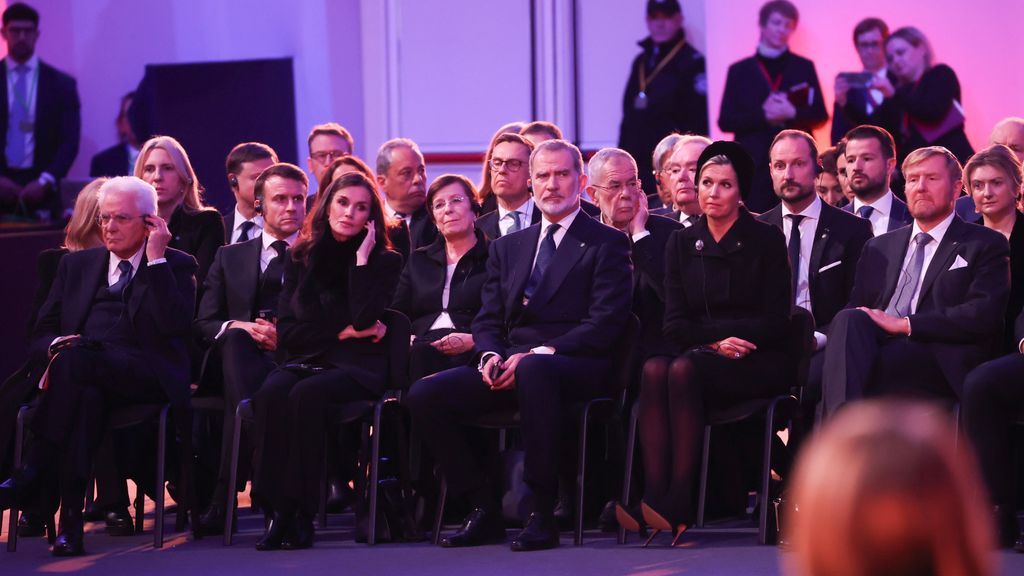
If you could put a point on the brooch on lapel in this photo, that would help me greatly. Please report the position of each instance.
(698, 245)
(824, 234)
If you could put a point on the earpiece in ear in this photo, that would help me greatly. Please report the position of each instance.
(258, 207)
(234, 182)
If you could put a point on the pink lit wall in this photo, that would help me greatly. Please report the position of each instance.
(980, 40)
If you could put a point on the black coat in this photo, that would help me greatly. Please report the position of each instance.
(488, 223)
(677, 101)
(111, 162)
(1014, 322)
(199, 234)
(739, 287)
(421, 232)
(314, 308)
(421, 285)
(961, 308)
(928, 101)
(231, 288)
(649, 283)
(579, 308)
(886, 115)
(746, 89)
(838, 241)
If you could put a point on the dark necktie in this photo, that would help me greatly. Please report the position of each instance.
(247, 227)
(117, 288)
(547, 251)
(275, 268)
(865, 212)
(909, 279)
(794, 249)
(517, 223)
(690, 221)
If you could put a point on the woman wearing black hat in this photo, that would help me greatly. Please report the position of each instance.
(727, 303)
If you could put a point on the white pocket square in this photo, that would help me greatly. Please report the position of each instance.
(958, 263)
(830, 266)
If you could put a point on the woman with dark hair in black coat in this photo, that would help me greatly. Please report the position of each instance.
(339, 280)
(727, 306)
(441, 283)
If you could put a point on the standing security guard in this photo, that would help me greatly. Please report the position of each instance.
(666, 92)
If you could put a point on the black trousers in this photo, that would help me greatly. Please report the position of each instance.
(84, 384)
(546, 385)
(291, 420)
(993, 397)
(425, 360)
(861, 360)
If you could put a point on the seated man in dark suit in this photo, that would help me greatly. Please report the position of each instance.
(402, 176)
(554, 303)
(120, 316)
(870, 155)
(239, 306)
(119, 159)
(510, 174)
(824, 243)
(244, 164)
(928, 300)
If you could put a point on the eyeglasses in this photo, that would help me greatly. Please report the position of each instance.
(617, 187)
(103, 220)
(327, 156)
(512, 164)
(454, 202)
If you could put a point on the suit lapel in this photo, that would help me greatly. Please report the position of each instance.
(536, 215)
(895, 264)
(249, 271)
(822, 236)
(523, 249)
(80, 301)
(137, 287)
(568, 253)
(945, 252)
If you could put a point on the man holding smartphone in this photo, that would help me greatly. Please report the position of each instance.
(238, 311)
(864, 97)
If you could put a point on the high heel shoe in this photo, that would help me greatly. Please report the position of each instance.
(631, 519)
(658, 523)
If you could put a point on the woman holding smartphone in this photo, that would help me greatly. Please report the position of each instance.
(341, 276)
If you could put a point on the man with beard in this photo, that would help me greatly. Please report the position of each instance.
(870, 160)
(824, 242)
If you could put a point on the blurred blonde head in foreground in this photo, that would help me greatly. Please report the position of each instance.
(884, 490)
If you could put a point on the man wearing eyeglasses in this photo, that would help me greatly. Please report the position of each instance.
(510, 176)
(327, 142)
(40, 118)
(866, 98)
(115, 326)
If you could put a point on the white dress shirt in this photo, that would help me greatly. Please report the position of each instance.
(880, 215)
(266, 255)
(394, 215)
(443, 320)
(876, 96)
(506, 220)
(257, 220)
(929, 252)
(808, 227)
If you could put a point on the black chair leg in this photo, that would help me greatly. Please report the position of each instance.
(442, 496)
(581, 471)
(766, 474)
(19, 441)
(702, 497)
(161, 455)
(627, 476)
(322, 506)
(236, 439)
(140, 508)
(374, 463)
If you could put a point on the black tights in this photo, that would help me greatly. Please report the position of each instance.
(671, 425)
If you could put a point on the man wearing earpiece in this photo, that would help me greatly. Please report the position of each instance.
(244, 164)
(238, 309)
(824, 242)
(115, 325)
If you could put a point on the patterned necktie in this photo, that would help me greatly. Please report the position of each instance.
(794, 249)
(547, 251)
(18, 120)
(517, 223)
(910, 279)
(865, 212)
(247, 227)
(117, 288)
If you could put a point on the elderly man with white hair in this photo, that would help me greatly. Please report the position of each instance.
(115, 326)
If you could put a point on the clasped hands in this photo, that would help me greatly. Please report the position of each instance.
(733, 348)
(778, 109)
(504, 371)
(263, 332)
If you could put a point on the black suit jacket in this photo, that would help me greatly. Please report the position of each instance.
(229, 225)
(58, 125)
(161, 303)
(581, 305)
(960, 312)
(649, 283)
(111, 162)
(899, 214)
(740, 286)
(199, 234)
(421, 232)
(488, 223)
(230, 289)
(311, 314)
(838, 241)
(421, 285)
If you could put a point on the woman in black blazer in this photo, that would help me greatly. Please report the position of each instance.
(196, 229)
(340, 277)
(441, 284)
(727, 303)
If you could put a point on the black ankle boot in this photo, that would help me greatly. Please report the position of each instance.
(277, 529)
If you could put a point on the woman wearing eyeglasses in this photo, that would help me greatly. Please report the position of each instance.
(441, 284)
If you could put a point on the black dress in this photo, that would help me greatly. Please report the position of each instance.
(199, 234)
(318, 301)
(928, 102)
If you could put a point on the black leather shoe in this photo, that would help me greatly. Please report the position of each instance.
(301, 534)
(540, 533)
(94, 513)
(607, 522)
(119, 523)
(563, 513)
(276, 531)
(69, 540)
(479, 527)
(211, 521)
(31, 525)
(339, 497)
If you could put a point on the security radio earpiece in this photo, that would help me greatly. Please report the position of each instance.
(234, 182)
(258, 206)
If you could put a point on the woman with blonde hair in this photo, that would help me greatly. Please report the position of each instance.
(885, 489)
(195, 228)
